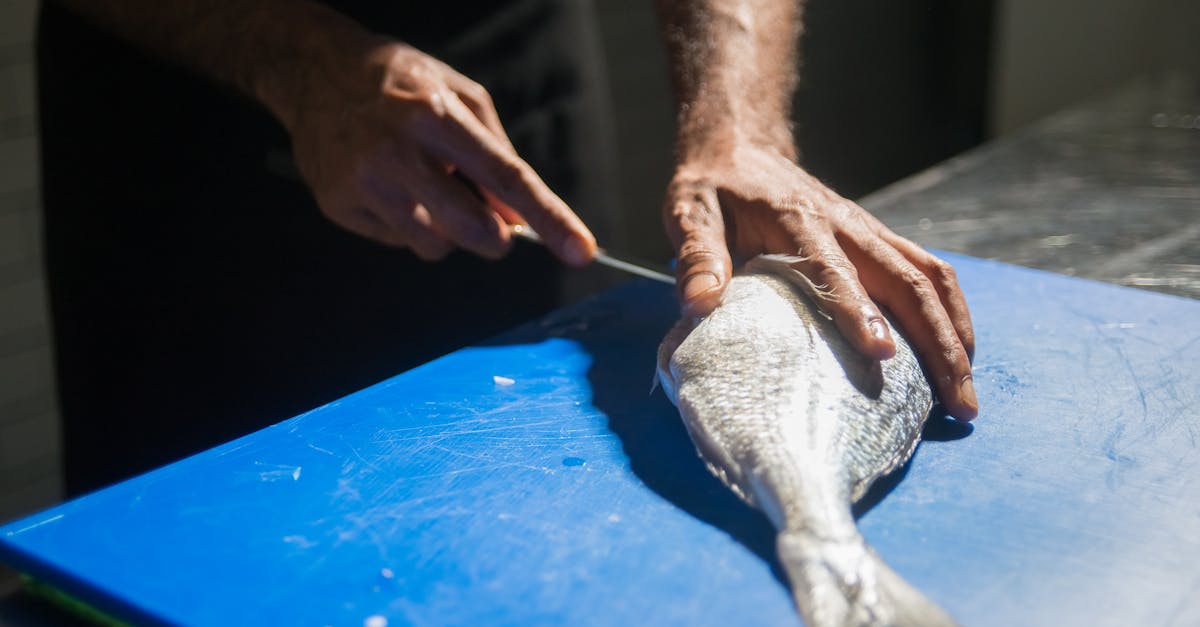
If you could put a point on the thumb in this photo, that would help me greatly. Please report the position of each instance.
(697, 229)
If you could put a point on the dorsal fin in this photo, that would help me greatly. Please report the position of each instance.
(784, 267)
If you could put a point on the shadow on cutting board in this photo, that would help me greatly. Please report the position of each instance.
(623, 346)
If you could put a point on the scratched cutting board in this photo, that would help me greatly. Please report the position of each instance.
(572, 495)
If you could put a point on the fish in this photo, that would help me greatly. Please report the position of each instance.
(796, 422)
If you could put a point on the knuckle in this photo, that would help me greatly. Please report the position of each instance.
(683, 210)
(478, 93)
(943, 273)
(690, 186)
(431, 103)
(830, 268)
(851, 211)
(405, 72)
(955, 356)
(693, 253)
(692, 210)
(877, 248)
(408, 71)
(420, 103)
(683, 184)
(946, 356)
(509, 177)
(916, 282)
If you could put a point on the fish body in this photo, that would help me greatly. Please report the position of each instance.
(796, 422)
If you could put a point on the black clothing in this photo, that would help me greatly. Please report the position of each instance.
(197, 293)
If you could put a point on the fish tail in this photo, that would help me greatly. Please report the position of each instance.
(842, 583)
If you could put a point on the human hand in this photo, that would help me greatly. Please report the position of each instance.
(748, 200)
(400, 148)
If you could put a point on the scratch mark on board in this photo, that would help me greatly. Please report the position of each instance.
(277, 472)
(319, 449)
(36, 525)
(300, 541)
(1120, 462)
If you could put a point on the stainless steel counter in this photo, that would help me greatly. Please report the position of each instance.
(1107, 190)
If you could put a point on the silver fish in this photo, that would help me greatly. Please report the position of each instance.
(797, 423)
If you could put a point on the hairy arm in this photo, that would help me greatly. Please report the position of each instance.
(395, 145)
(734, 71)
(738, 191)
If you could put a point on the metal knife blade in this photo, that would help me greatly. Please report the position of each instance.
(602, 257)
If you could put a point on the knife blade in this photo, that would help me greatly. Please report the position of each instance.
(603, 257)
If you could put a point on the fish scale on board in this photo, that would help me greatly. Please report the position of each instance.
(796, 422)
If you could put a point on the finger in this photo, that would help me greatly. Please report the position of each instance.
(479, 101)
(696, 227)
(423, 241)
(428, 242)
(406, 223)
(481, 105)
(506, 213)
(458, 137)
(842, 295)
(462, 214)
(944, 280)
(912, 298)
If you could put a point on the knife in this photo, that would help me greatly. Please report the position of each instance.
(602, 257)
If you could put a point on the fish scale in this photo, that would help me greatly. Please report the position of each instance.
(799, 424)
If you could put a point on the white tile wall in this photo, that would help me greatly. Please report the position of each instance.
(30, 478)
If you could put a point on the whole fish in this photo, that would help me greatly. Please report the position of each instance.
(796, 422)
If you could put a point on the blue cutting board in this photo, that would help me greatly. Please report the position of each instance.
(446, 496)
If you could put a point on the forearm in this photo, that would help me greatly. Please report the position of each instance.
(267, 49)
(734, 70)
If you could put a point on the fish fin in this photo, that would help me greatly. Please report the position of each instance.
(666, 350)
(653, 382)
(730, 480)
(841, 581)
(715, 457)
(784, 266)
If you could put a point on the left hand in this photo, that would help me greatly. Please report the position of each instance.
(745, 200)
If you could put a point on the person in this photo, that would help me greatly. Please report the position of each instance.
(194, 297)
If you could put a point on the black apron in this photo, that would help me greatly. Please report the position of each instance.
(197, 293)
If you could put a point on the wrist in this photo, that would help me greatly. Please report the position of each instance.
(318, 61)
(704, 135)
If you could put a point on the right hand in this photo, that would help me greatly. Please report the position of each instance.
(739, 199)
(399, 148)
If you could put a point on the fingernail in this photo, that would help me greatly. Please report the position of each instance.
(878, 330)
(577, 252)
(967, 388)
(698, 284)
